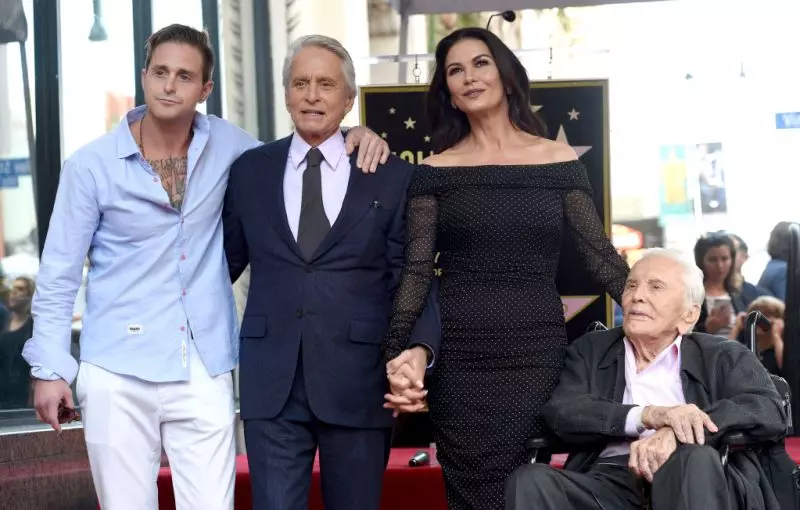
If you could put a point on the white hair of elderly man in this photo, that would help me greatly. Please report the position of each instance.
(692, 275)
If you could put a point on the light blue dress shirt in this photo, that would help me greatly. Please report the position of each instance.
(158, 277)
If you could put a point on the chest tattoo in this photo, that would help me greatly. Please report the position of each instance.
(172, 172)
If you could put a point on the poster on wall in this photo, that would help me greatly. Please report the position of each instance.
(675, 197)
(575, 112)
(709, 163)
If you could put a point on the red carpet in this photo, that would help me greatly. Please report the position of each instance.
(404, 487)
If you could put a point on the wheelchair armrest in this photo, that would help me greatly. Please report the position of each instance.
(744, 441)
(539, 443)
(736, 440)
(541, 448)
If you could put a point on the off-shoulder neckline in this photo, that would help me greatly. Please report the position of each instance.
(510, 166)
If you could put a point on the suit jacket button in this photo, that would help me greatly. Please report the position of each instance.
(299, 313)
(309, 269)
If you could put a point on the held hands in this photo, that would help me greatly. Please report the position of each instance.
(687, 422)
(406, 375)
(50, 398)
(372, 149)
(649, 454)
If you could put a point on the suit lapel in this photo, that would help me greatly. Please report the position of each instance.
(276, 157)
(357, 202)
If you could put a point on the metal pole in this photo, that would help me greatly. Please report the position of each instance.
(211, 24)
(403, 47)
(265, 87)
(48, 113)
(26, 86)
(142, 28)
(791, 331)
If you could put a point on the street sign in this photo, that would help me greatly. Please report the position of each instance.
(787, 120)
(9, 182)
(16, 166)
(11, 169)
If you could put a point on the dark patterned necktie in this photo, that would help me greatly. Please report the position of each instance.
(314, 224)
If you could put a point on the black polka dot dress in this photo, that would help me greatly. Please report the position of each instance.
(498, 232)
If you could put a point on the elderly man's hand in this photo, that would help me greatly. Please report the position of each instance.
(686, 421)
(406, 375)
(372, 149)
(649, 454)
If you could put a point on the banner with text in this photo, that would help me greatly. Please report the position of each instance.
(575, 112)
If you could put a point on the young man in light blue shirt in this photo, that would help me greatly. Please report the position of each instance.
(159, 338)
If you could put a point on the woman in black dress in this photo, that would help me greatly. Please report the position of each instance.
(494, 201)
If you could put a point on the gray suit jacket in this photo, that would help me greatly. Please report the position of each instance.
(721, 377)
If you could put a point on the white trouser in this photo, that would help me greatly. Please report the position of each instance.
(126, 421)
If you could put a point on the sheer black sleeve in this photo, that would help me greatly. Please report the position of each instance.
(606, 266)
(415, 282)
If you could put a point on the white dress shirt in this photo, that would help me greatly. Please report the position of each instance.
(657, 385)
(334, 170)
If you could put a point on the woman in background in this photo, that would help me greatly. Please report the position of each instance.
(774, 276)
(495, 202)
(715, 255)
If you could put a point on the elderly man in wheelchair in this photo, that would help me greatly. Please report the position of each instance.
(651, 412)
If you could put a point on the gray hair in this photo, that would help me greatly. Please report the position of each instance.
(326, 43)
(692, 275)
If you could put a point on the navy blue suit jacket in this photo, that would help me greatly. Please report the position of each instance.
(339, 303)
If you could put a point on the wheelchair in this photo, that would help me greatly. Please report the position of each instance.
(541, 448)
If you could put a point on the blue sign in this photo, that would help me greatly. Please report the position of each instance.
(14, 167)
(8, 181)
(11, 169)
(787, 120)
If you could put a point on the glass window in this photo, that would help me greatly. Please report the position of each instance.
(19, 253)
(97, 76)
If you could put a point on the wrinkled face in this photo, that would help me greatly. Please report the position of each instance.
(654, 301)
(317, 96)
(173, 82)
(717, 264)
(473, 79)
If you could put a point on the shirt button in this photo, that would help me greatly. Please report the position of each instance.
(184, 292)
(183, 257)
(155, 179)
(183, 328)
(181, 221)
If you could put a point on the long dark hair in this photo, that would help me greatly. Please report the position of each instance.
(449, 125)
(704, 245)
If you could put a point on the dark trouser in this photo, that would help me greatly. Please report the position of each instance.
(281, 451)
(691, 479)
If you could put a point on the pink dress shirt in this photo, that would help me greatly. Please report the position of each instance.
(657, 385)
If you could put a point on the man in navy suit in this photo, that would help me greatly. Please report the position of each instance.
(326, 244)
